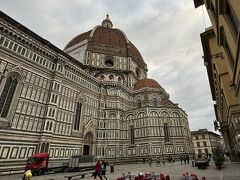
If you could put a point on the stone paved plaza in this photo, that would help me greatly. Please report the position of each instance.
(231, 171)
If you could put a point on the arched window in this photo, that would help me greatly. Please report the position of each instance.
(7, 95)
(50, 127)
(166, 132)
(43, 147)
(47, 125)
(77, 116)
(132, 139)
(47, 147)
(155, 104)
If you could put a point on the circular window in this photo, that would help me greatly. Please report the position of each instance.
(111, 77)
(109, 63)
(102, 77)
(119, 79)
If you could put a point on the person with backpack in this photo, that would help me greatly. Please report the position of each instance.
(98, 170)
(103, 169)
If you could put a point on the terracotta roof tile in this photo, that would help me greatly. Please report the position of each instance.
(78, 39)
(146, 83)
(107, 36)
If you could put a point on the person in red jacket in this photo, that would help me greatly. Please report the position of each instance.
(98, 170)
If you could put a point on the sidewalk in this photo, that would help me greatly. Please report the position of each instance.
(231, 171)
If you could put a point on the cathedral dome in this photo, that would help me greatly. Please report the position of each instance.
(106, 35)
(146, 83)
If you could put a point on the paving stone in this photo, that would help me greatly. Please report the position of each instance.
(230, 171)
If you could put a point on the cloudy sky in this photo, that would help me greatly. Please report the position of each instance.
(166, 32)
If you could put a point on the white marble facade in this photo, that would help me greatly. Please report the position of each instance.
(79, 101)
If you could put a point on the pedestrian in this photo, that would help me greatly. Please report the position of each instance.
(98, 170)
(150, 161)
(27, 175)
(171, 159)
(184, 158)
(158, 162)
(187, 159)
(181, 158)
(163, 162)
(103, 169)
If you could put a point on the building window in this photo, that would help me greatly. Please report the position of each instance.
(204, 143)
(78, 116)
(206, 151)
(139, 103)
(196, 137)
(198, 144)
(199, 151)
(166, 132)
(138, 72)
(212, 9)
(109, 63)
(155, 103)
(132, 141)
(232, 19)
(7, 95)
(203, 136)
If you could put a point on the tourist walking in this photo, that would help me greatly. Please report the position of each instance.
(98, 170)
(185, 159)
(163, 162)
(103, 169)
(181, 158)
(171, 159)
(158, 161)
(150, 161)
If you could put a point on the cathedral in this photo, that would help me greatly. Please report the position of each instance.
(91, 98)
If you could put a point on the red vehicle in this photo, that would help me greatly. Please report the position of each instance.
(39, 163)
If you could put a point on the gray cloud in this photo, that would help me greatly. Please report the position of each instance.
(166, 32)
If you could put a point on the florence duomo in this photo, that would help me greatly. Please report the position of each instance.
(91, 98)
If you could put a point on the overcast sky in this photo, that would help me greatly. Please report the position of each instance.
(166, 32)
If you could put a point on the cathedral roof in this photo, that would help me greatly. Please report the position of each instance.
(146, 83)
(106, 35)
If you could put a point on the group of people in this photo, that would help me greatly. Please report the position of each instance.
(185, 159)
(100, 170)
(158, 160)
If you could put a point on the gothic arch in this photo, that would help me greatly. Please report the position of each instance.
(164, 114)
(130, 117)
(10, 89)
(174, 114)
(151, 97)
(112, 115)
(154, 113)
(88, 143)
(112, 92)
(141, 114)
(138, 98)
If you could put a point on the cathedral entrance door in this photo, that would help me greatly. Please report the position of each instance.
(88, 144)
(86, 150)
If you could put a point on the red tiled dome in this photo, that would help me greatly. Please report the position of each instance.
(107, 36)
(146, 83)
